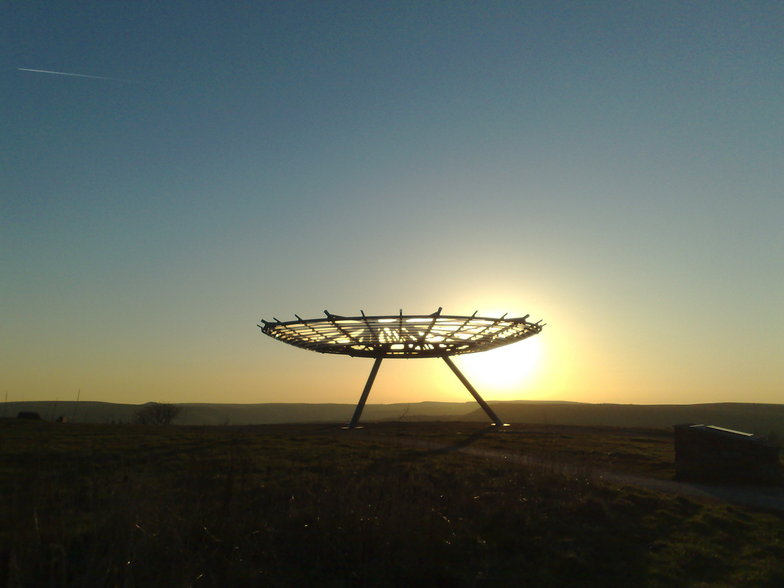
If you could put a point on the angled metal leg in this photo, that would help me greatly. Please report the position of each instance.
(365, 393)
(486, 407)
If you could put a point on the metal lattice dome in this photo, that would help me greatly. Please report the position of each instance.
(401, 336)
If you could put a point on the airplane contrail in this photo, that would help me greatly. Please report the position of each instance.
(74, 75)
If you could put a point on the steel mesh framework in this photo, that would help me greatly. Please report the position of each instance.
(403, 336)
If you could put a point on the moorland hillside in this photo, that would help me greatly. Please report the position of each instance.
(763, 419)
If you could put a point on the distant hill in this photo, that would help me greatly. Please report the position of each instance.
(762, 419)
(755, 418)
(242, 414)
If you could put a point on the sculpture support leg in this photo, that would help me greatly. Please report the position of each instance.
(365, 393)
(474, 393)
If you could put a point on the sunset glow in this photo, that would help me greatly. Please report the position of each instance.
(614, 169)
(506, 372)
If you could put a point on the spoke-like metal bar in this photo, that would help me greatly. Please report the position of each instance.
(405, 338)
(333, 318)
(373, 335)
(435, 316)
(318, 336)
(499, 334)
(486, 407)
(482, 330)
(295, 334)
(365, 393)
(461, 327)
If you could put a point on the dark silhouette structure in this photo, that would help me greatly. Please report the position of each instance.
(403, 336)
(711, 453)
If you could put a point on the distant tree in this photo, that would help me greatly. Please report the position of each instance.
(156, 413)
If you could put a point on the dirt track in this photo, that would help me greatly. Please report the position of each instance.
(757, 496)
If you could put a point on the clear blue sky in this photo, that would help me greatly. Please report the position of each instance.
(614, 168)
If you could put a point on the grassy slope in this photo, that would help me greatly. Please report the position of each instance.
(124, 505)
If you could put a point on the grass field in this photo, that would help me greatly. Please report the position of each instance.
(392, 504)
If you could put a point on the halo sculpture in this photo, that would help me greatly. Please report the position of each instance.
(403, 336)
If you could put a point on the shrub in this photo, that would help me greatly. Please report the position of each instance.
(156, 413)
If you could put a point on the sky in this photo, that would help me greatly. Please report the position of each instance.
(615, 169)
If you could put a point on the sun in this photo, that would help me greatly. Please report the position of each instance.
(504, 370)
